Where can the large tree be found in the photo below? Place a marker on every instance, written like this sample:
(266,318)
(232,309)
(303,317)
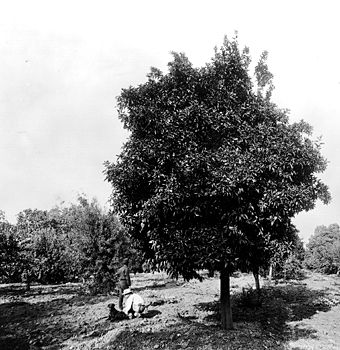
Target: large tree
(211,168)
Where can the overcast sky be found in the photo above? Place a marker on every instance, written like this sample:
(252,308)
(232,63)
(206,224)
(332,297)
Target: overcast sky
(62,64)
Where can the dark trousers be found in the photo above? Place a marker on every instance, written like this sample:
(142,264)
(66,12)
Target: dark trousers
(122,285)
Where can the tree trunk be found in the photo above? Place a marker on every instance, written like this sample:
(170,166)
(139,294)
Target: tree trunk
(258,288)
(270,275)
(226,315)
(28,286)
(257,281)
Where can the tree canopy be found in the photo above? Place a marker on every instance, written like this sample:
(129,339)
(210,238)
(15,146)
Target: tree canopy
(66,243)
(212,168)
(323,249)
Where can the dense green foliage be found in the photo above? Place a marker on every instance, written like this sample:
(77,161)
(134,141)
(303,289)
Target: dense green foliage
(74,243)
(10,263)
(282,259)
(323,249)
(288,260)
(211,169)
(212,172)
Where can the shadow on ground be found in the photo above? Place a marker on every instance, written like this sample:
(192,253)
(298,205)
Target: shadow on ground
(35,325)
(151,313)
(36,318)
(193,336)
(264,326)
(275,308)
(19,289)
(159,285)
(32,325)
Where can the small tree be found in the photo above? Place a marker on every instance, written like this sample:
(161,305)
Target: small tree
(41,248)
(262,255)
(287,259)
(211,167)
(99,242)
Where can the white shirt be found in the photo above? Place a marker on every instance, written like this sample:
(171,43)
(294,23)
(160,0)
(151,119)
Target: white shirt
(133,301)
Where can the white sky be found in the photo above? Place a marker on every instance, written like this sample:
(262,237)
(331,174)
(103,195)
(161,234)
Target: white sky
(62,63)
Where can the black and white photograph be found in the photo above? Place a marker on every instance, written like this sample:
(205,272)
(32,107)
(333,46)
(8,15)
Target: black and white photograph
(169,175)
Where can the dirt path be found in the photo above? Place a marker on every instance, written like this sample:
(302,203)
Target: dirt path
(298,315)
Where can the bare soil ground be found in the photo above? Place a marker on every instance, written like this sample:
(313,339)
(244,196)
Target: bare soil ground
(183,315)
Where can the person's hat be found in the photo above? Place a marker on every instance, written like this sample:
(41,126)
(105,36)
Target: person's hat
(127,291)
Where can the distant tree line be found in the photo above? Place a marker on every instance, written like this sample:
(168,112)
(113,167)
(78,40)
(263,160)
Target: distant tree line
(80,242)
(323,250)
(321,254)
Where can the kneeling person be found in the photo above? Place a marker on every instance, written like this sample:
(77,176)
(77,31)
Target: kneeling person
(134,304)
